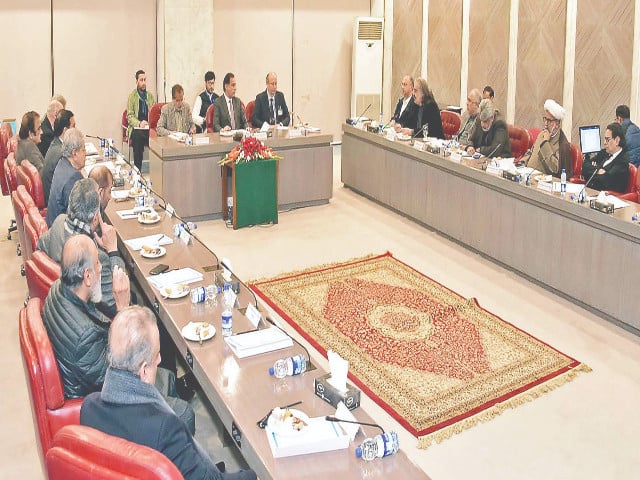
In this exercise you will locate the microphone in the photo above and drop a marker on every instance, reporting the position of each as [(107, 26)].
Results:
[(329, 418), (494, 150), (362, 114), (581, 192), (302, 124), (309, 365), (224, 265)]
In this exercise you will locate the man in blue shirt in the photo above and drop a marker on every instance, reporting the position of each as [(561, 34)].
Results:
[(631, 133)]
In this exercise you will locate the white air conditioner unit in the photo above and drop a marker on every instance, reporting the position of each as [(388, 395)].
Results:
[(366, 81)]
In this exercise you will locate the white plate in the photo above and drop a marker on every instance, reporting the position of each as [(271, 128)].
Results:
[(403, 137), (133, 193), (119, 194), (160, 252), (227, 133), (175, 291), (143, 217), (190, 331), (286, 427)]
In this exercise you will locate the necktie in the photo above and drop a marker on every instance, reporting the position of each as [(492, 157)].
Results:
[(178, 118), (273, 110), (233, 117)]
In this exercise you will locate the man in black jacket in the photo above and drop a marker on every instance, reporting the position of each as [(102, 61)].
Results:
[(270, 106), (405, 112), (490, 136), (130, 407), (611, 164)]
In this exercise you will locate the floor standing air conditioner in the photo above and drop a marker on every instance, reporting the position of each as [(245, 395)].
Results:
[(366, 82)]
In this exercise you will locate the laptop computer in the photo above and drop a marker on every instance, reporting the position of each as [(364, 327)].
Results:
[(590, 141)]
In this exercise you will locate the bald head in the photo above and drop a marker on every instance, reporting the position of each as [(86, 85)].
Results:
[(272, 83)]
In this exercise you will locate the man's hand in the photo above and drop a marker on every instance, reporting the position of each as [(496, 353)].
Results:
[(121, 288), (108, 240), (227, 128), (193, 130), (545, 135), (144, 124)]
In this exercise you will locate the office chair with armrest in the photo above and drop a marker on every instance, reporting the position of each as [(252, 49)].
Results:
[(634, 195), (208, 118), (22, 202), (248, 111), (519, 138), (154, 116), (533, 135), (37, 190), (5, 134), (450, 123), (81, 452), (631, 184), (35, 227), (41, 272), (576, 163), (12, 184)]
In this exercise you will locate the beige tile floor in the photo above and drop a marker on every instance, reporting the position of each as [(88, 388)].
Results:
[(588, 428)]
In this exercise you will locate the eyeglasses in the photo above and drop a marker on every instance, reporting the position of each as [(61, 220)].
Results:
[(548, 120), (607, 139)]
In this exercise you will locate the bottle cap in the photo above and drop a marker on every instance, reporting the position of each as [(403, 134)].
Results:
[(272, 372), (358, 452)]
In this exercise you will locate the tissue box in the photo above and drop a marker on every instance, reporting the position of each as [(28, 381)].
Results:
[(327, 392), (220, 281)]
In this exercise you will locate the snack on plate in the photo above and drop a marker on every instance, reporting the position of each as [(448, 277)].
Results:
[(203, 330), (176, 289), (287, 417), (148, 216), (149, 250), (135, 191)]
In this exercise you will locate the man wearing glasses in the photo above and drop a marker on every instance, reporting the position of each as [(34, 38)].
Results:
[(551, 152), (610, 168), (468, 121)]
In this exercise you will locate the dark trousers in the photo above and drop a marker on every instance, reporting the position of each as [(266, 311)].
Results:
[(139, 139)]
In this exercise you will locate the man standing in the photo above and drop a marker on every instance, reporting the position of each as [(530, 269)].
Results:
[(631, 133), (405, 112), (204, 101), (270, 106), (66, 173), (228, 113), (138, 105), (611, 164), (47, 126), (492, 138), (468, 121), (130, 407), (64, 120), (176, 116)]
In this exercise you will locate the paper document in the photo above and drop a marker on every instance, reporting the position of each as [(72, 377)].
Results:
[(174, 277), (90, 148), (179, 136), (119, 194), (617, 202), (158, 239), (258, 341), (141, 128), (571, 187), (322, 436), (110, 165)]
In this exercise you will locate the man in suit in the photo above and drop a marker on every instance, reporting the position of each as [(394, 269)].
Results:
[(204, 101), (228, 113), (270, 105), (47, 126), (405, 112), (611, 165), (490, 136)]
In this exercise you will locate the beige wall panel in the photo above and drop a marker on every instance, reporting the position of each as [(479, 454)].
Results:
[(407, 44), (323, 39), (25, 81), (604, 47), (540, 67), (444, 50), (489, 47), (251, 38), (97, 49)]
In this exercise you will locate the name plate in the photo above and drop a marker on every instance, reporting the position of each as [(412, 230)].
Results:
[(262, 136), (202, 140), (418, 145), (456, 157), (493, 170), (546, 186), (295, 132), (391, 134)]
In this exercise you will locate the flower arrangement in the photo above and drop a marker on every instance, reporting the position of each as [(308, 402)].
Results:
[(250, 149)]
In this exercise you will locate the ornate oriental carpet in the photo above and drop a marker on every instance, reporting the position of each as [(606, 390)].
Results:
[(437, 362)]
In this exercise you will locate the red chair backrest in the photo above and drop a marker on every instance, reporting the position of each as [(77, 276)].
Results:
[(208, 118), (533, 135), (34, 226), (154, 116), (248, 111), (10, 172), (519, 138), (37, 191), (5, 134), (124, 123), (40, 275), (22, 202), (631, 185), (50, 409), (46, 265), (450, 123), (30, 238), (24, 178), (576, 161), (80, 452)]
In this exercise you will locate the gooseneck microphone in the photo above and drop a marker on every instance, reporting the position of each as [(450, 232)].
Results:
[(581, 192), (494, 150), (362, 114), (268, 319), (329, 418)]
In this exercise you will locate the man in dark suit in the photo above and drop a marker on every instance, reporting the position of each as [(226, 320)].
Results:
[(404, 115), (270, 105), (228, 113), (611, 164)]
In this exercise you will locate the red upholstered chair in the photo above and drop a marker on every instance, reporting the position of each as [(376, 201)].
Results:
[(450, 123), (12, 183), (533, 135), (634, 195), (50, 410), (208, 119), (37, 190), (248, 111), (519, 138), (29, 235), (5, 134), (41, 272), (34, 226), (576, 162), (22, 202), (631, 184), (80, 452), (154, 116)]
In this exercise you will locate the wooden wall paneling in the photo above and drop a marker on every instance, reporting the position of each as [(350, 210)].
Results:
[(407, 44), (540, 66), (489, 48), (444, 50), (604, 49)]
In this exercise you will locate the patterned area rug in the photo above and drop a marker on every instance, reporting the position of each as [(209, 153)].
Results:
[(437, 362)]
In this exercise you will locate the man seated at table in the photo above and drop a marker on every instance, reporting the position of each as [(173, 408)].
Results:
[(104, 178), (610, 167), (468, 120), (47, 126), (270, 105), (203, 102), (64, 120), (228, 113), (631, 133), (130, 406), (29, 136), (405, 113), (78, 331), (490, 136), (488, 93), (83, 217), (138, 105), (176, 116), (66, 173), (551, 151)]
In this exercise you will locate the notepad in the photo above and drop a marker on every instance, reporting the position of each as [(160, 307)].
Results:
[(174, 277), (258, 341)]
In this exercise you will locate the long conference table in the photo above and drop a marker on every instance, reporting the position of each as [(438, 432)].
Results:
[(582, 254), (241, 390), (189, 176)]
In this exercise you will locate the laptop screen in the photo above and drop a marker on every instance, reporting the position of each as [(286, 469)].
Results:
[(590, 139)]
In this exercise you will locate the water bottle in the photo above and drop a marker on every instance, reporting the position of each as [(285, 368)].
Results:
[(230, 209), (563, 182), (227, 322), (379, 446), (289, 366)]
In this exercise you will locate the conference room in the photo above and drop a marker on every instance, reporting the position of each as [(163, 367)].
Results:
[(553, 274)]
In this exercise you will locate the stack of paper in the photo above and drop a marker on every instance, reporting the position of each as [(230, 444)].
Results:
[(258, 341), (319, 436), (173, 277), (158, 239)]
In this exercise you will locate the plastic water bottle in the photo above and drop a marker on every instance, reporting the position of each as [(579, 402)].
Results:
[(563, 182), (227, 322), (381, 445), (230, 209), (289, 366)]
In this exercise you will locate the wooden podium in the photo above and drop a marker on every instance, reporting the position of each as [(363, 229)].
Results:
[(254, 188)]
